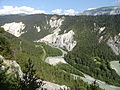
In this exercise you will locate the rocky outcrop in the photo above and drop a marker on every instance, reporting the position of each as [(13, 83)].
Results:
[(55, 22), (101, 29), (114, 43), (65, 41), (15, 28), (52, 86), (37, 28), (13, 66)]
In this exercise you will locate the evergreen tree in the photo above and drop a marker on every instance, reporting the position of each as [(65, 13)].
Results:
[(30, 81), (7, 81)]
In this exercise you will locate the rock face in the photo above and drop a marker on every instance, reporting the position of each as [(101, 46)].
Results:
[(14, 28), (14, 67), (114, 43), (102, 11), (52, 86), (65, 41), (101, 29), (38, 28), (55, 22)]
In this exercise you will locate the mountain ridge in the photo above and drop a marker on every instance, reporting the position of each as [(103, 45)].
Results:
[(108, 10)]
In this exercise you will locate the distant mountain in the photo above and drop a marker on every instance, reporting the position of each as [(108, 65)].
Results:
[(112, 10)]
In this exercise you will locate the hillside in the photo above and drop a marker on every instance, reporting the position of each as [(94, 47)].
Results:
[(91, 42), (23, 50)]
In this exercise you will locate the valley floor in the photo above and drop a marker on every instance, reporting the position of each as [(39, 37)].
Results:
[(86, 77)]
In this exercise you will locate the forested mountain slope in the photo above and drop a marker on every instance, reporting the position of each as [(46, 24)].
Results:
[(21, 50), (91, 42), (97, 44)]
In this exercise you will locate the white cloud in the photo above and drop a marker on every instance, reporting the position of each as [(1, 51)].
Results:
[(70, 12), (57, 11), (5, 10), (91, 8), (18, 10)]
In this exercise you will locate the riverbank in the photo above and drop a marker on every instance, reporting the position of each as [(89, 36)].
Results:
[(86, 77)]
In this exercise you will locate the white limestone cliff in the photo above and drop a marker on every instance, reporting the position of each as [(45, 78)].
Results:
[(14, 67), (65, 41), (38, 28), (55, 22), (114, 43), (101, 29), (52, 86), (15, 28)]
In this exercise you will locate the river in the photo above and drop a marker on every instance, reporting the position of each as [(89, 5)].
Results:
[(86, 77)]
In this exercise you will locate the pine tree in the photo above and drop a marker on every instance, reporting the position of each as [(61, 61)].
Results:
[(7, 81), (30, 81)]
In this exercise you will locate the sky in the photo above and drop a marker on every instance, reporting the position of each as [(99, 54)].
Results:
[(52, 6)]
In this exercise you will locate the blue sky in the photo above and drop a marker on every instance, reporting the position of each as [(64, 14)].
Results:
[(49, 5)]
